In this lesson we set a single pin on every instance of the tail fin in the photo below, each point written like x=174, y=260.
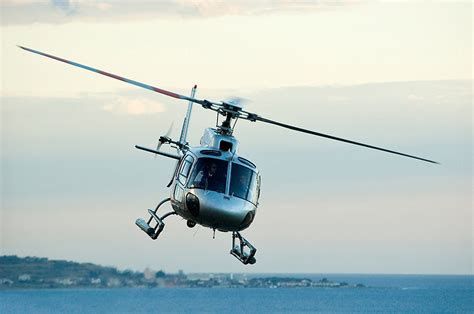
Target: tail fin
x=187, y=118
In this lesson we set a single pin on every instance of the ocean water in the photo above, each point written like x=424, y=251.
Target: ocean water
x=384, y=294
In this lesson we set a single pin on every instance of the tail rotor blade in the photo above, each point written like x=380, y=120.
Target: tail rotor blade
x=158, y=146
x=169, y=129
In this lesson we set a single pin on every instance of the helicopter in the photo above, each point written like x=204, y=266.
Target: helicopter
x=212, y=185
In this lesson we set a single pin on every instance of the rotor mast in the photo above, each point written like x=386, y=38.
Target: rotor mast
x=225, y=128
x=231, y=109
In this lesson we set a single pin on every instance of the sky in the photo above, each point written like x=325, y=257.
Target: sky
x=393, y=74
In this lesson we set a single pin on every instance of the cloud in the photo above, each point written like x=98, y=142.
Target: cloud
x=16, y=12
x=134, y=106
x=415, y=97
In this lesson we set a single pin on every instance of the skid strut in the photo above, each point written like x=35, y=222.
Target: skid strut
x=246, y=256
x=155, y=231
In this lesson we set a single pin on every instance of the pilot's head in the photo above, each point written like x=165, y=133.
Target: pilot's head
x=213, y=168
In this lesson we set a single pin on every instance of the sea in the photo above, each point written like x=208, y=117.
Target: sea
x=382, y=294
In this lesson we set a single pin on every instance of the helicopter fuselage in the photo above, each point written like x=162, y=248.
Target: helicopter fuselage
x=214, y=187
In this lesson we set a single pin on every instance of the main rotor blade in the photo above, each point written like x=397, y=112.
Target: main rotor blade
x=123, y=79
x=295, y=128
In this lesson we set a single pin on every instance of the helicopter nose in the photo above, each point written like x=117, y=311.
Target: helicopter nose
x=222, y=212
x=247, y=220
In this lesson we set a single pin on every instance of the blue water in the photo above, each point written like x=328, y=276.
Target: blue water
x=386, y=293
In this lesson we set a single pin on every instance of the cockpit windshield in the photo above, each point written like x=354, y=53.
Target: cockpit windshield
x=209, y=174
x=243, y=183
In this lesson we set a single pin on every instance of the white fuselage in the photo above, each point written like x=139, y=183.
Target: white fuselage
x=216, y=188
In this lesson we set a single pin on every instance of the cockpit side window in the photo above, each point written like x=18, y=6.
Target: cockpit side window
x=209, y=174
x=243, y=183
x=184, y=170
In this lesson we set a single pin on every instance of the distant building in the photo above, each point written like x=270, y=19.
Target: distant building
x=149, y=274
x=24, y=277
x=113, y=282
x=6, y=281
x=199, y=276
x=65, y=281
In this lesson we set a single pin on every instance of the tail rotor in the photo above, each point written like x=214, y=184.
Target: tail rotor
x=164, y=138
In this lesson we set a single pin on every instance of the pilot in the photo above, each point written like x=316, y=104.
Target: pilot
x=213, y=179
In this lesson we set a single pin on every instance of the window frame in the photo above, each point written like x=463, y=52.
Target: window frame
x=183, y=173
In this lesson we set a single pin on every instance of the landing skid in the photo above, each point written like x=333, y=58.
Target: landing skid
x=243, y=250
x=154, y=232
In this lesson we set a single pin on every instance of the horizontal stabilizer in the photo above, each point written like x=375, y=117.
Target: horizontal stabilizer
x=158, y=152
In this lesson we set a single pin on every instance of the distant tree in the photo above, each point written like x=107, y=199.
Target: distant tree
x=94, y=273
x=127, y=272
x=160, y=274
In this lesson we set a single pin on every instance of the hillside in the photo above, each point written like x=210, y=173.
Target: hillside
x=29, y=272
x=37, y=273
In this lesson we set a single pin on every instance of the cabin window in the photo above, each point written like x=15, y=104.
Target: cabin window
x=178, y=193
x=209, y=174
x=247, y=162
x=243, y=183
x=210, y=152
x=225, y=146
x=184, y=170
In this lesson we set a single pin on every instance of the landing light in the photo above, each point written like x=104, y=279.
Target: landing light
x=192, y=203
